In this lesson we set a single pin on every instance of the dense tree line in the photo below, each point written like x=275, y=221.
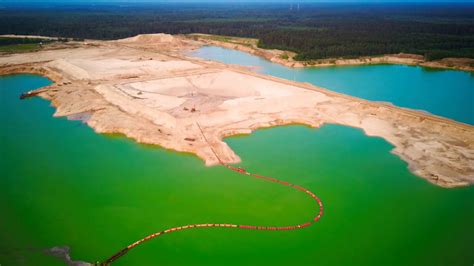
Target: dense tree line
x=312, y=30
x=381, y=37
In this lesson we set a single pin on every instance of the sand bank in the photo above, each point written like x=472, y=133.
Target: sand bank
x=147, y=89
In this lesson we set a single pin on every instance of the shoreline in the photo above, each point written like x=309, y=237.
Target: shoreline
x=276, y=56
x=145, y=88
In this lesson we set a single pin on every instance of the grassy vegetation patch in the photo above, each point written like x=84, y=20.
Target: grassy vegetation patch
x=229, y=39
x=18, y=48
x=284, y=56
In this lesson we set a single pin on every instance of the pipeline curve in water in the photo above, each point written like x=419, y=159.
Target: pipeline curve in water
x=242, y=171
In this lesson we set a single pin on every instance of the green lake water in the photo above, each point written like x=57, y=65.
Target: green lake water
x=445, y=93
x=63, y=184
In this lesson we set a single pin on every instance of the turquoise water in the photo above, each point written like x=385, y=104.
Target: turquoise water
x=442, y=92
x=63, y=184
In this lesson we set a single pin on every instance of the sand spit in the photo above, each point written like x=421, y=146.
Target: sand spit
x=147, y=89
x=27, y=36
x=286, y=57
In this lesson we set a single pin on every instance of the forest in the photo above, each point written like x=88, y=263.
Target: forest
x=313, y=30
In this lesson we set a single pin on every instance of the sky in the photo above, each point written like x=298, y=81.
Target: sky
x=224, y=1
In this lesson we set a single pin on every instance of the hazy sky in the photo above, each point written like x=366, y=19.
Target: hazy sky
x=224, y=1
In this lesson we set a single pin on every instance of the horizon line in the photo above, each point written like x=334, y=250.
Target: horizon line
x=92, y=2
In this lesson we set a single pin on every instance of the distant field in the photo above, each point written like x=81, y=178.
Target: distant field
x=15, y=48
x=229, y=39
x=312, y=30
x=18, y=45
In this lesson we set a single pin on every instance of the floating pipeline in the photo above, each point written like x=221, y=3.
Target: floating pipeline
x=233, y=226
x=32, y=93
x=28, y=95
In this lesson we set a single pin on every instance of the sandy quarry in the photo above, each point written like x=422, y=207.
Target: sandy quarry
x=146, y=88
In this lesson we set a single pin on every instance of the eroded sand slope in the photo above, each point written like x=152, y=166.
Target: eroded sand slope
x=145, y=88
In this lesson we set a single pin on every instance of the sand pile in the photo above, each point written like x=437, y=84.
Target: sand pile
x=150, y=38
